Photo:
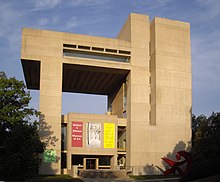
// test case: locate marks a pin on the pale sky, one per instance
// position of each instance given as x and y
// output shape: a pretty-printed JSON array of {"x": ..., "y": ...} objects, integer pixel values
[{"x": 105, "y": 18}]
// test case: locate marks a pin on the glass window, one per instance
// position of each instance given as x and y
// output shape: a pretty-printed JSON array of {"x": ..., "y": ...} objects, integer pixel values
[
  {"x": 63, "y": 160},
  {"x": 104, "y": 161},
  {"x": 90, "y": 55},
  {"x": 63, "y": 137}
]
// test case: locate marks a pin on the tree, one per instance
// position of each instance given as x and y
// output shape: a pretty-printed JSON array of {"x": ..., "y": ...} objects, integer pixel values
[
  {"x": 206, "y": 141},
  {"x": 205, "y": 145},
  {"x": 20, "y": 143},
  {"x": 14, "y": 101},
  {"x": 2, "y": 74}
]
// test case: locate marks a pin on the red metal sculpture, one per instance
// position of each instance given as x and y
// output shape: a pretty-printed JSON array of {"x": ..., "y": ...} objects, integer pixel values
[{"x": 175, "y": 166}]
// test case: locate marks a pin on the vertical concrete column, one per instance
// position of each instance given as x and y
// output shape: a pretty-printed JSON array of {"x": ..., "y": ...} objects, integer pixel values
[
  {"x": 118, "y": 103},
  {"x": 69, "y": 144},
  {"x": 139, "y": 93},
  {"x": 50, "y": 107},
  {"x": 69, "y": 161},
  {"x": 171, "y": 87},
  {"x": 136, "y": 30}
]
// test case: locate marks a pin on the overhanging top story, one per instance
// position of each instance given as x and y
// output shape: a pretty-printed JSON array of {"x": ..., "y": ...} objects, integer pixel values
[{"x": 145, "y": 72}]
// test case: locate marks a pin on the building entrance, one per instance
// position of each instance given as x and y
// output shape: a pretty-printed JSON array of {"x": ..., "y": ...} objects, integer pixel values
[{"x": 91, "y": 163}]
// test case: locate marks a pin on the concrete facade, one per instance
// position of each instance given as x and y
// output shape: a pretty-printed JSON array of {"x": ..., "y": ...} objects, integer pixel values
[{"x": 146, "y": 74}]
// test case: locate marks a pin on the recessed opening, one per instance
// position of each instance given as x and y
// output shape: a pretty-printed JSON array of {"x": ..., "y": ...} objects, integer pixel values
[
  {"x": 94, "y": 55},
  {"x": 84, "y": 103},
  {"x": 31, "y": 73},
  {"x": 111, "y": 50},
  {"x": 69, "y": 45},
  {"x": 124, "y": 52},
  {"x": 97, "y": 49},
  {"x": 83, "y": 47}
]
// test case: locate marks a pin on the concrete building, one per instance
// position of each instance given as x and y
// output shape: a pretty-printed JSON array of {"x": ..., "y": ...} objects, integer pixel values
[{"x": 145, "y": 72}]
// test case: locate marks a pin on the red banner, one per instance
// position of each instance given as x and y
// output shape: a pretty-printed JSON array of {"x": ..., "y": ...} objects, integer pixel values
[{"x": 77, "y": 134}]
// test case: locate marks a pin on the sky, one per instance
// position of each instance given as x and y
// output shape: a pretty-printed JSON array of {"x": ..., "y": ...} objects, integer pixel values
[{"x": 105, "y": 18}]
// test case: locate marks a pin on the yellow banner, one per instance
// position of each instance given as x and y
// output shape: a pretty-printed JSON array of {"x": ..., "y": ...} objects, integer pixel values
[{"x": 109, "y": 135}]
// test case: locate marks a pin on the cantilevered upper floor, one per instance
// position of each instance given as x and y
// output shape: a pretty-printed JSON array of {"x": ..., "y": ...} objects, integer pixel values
[{"x": 91, "y": 64}]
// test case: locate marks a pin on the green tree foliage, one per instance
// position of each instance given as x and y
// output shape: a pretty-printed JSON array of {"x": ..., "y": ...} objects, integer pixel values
[
  {"x": 14, "y": 101},
  {"x": 206, "y": 136},
  {"x": 206, "y": 145},
  {"x": 20, "y": 143}
]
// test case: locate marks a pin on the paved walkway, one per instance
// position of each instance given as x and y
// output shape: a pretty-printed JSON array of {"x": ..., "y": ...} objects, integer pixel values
[
  {"x": 128, "y": 180},
  {"x": 107, "y": 180}
]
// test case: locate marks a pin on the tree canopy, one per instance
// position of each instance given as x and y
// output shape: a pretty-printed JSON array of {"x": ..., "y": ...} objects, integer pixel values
[
  {"x": 205, "y": 145},
  {"x": 206, "y": 136},
  {"x": 20, "y": 144},
  {"x": 14, "y": 101}
]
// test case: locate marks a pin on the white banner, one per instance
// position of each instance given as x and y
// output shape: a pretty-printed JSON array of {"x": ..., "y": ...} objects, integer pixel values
[{"x": 93, "y": 135}]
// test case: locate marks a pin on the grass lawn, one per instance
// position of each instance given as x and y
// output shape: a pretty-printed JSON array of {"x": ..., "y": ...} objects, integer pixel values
[
  {"x": 143, "y": 177},
  {"x": 53, "y": 178}
]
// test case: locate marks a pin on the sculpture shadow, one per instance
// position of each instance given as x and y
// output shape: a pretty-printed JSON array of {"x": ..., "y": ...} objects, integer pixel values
[
  {"x": 180, "y": 146},
  {"x": 158, "y": 170}
]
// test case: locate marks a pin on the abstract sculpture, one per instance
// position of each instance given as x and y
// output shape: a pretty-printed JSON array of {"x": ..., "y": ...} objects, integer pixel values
[{"x": 175, "y": 166}]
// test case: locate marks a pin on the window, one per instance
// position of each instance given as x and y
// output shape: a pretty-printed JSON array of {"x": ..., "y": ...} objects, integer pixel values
[
  {"x": 104, "y": 161},
  {"x": 90, "y": 55},
  {"x": 63, "y": 137},
  {"x": 63, "y": 160}
]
